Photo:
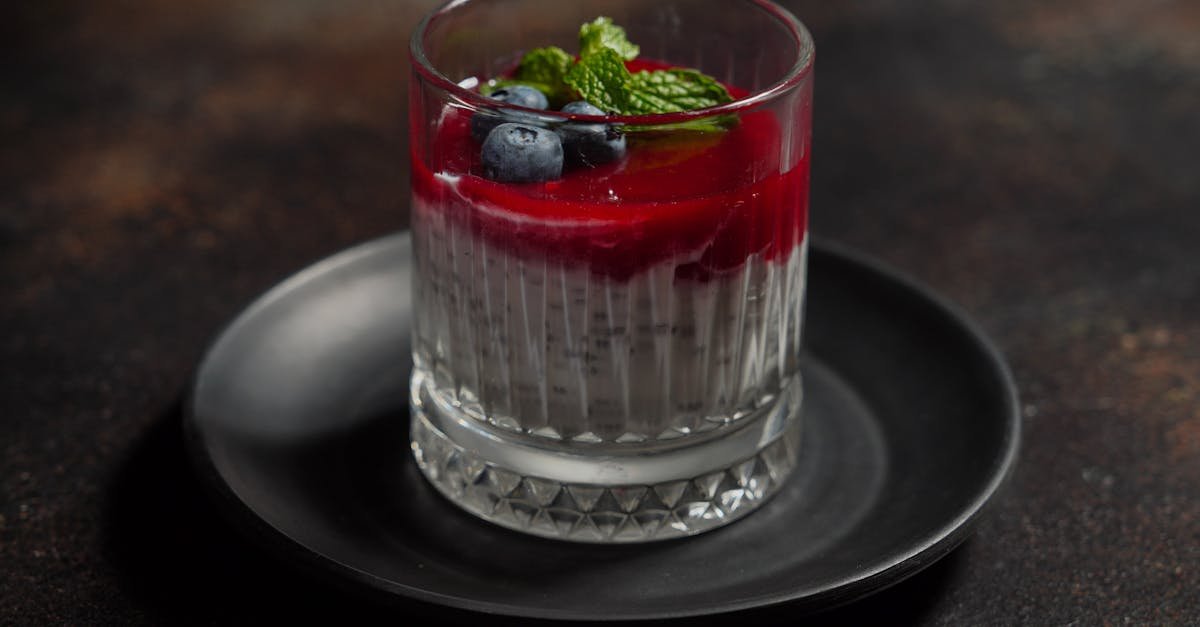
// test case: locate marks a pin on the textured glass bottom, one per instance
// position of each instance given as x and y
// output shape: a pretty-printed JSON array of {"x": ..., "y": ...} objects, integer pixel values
[{"x": 612, "y": 512}]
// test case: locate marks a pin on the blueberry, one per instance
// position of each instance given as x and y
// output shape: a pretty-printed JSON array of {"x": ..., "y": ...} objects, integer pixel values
[
  {"x": 483, "y": 122},
  {"x": 590, "y": 144},
  {"x": 582, "y": 107},
  {"x": 521, "y": 96},
  {"x": 520, "y": 153}
]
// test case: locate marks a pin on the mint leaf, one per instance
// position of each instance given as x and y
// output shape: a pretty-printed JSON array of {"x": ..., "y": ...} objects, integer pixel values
[
  {"x": 545, "y": 66},
  {"x": 668, "y": 91},
  {"x": 601, "y": 79},
  {"x": 600, "y": 34}
]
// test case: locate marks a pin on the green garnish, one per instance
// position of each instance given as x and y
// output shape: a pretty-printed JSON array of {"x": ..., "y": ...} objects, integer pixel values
[
  {"x": 600, "y": 34},
  {"x": 675, "y": 90},
  {"x": 599, "y": 76},
  {"x": 544, "y": 69},
  {"x": 601, "y": 79}
]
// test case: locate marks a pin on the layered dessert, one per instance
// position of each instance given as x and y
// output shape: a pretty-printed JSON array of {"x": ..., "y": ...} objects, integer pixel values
[
  {"x": 650, "y": 298},
  {"x": 596, "y": 284}
]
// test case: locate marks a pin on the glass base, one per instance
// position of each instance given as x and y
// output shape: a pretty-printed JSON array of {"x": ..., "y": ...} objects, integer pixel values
[{"x": 605, "y": 494}]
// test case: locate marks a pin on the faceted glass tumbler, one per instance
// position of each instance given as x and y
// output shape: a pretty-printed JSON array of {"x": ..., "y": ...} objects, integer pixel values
[{"x": 612, "y": 356}]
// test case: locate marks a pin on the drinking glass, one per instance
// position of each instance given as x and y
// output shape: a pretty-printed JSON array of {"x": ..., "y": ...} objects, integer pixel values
[{"x": 612, "y": 356}]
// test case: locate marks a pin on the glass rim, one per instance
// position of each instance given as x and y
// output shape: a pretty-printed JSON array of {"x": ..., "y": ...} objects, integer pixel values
[{"x": 793, "y": 76}]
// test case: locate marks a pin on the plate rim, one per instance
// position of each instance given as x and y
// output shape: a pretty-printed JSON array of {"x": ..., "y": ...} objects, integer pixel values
[{"x": 855, "y": 585}]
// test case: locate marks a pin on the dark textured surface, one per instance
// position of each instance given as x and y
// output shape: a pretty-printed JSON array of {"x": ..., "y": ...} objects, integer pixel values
[{"x": 164, "y": 161}]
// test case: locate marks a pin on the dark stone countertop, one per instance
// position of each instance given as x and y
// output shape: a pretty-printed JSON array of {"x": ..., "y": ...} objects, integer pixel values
[{"x": 165, "y": 161}]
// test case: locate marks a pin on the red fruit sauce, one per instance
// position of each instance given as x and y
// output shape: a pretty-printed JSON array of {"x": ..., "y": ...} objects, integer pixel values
[{"x": 709, "y": 200}]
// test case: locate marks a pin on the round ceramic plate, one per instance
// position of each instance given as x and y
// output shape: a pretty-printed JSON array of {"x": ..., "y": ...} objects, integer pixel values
[{"x": 299, "y": 420}]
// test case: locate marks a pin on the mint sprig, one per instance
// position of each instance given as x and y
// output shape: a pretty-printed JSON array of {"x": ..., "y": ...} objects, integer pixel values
[{"x": 599, "y": 76}]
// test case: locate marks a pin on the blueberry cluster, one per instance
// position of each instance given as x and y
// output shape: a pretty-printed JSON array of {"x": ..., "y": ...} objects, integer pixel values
[{"x": 519, "y": 148}]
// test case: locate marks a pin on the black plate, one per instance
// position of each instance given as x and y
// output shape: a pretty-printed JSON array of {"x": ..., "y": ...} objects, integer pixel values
[{"x": 298, "y": 418}]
